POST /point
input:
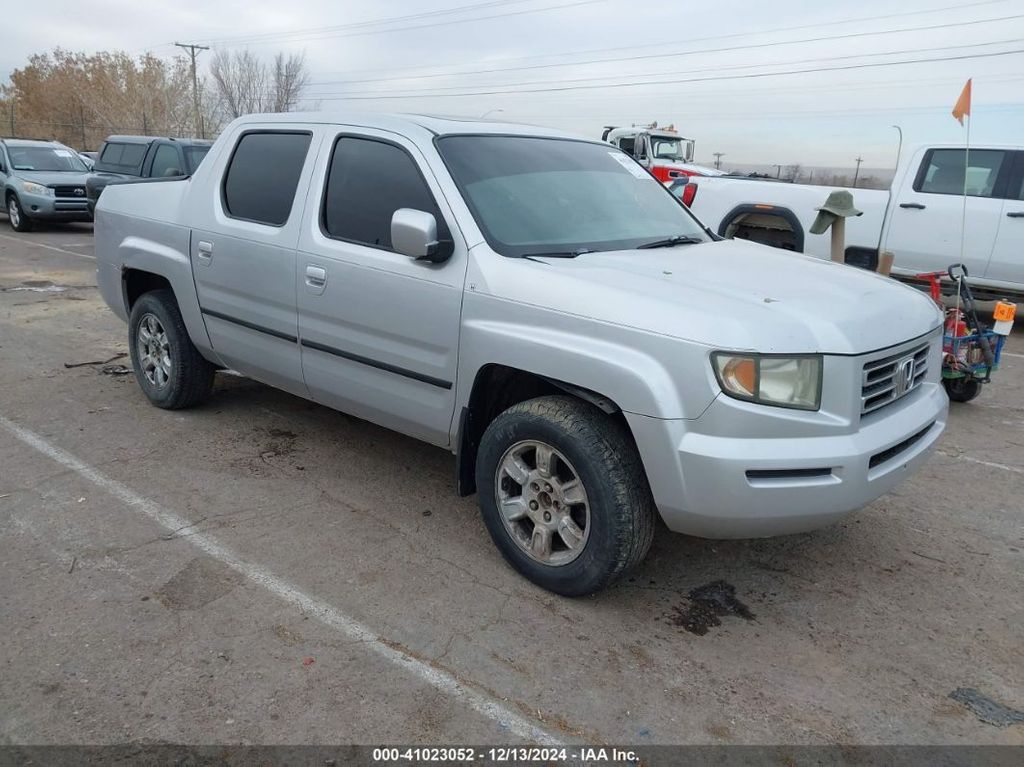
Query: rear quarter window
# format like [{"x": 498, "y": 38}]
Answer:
[{"x": 263, "y": 174}]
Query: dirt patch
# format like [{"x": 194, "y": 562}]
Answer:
[
  {"x": 707, "y": 605},
  {"x": 198, "y": 583},
  {"x": 286, "y": 635}
]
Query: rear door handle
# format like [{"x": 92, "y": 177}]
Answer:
[
  {"x": 204, "y": 251},
  {"x": 1016, "y": 214},
  {"x": 316, "y": 278},
  {"x": 912, "y": 205}
]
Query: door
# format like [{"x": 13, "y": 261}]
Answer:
[
  {"x": 1007, "y": 263},
  {"x": 927, "y": 213},
  {"x": 379, "y": 331},
  {"x": 243, "y": 253}
]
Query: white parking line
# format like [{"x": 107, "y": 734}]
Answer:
[
  {"x": 26, "y": 241},
  {"x": 1013, "y": 354},
  {"x": 990, "y": 464},
  {"x": 309, "y": 605}
]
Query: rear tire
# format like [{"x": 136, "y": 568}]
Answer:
[
  {"x": 962, "y": 389},
  {"x": 19, "y": 221},
  {"x": 589, "y": 517},
  {"x": 170, "y": 370}
]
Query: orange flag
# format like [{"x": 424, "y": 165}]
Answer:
[{"x": 963, "y": 104}]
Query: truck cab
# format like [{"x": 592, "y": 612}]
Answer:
[{"x": 666, "y": 154}]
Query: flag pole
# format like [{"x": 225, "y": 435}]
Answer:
[{"x": 963, "y": 210}]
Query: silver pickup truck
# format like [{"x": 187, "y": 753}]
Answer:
[{"x": 542, "y": 307}]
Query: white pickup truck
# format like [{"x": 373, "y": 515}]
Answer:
[{"x": 918, "y": 219}]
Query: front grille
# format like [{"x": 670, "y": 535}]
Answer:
[
  {"x": 74, "y": 192},
  {"x": 886, "y": 380}
]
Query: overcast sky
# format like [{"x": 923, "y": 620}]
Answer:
[{"x": 582, "y": 64}]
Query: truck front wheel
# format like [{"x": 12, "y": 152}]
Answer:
[
  {"x": 564, "y": 495},
  {"x": 170, "y": 370}
]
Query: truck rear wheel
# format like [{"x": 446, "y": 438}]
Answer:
[
  {"x": 170, "y": 370},
  {"x": 564, "y": 494},
  {"x": 19, "y": 221}
]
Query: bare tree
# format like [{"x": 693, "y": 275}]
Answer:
[
  {"x": 793, "y": 172},
  {"x": 245, "y": 84},
  {"x": 290, "y": 80}
]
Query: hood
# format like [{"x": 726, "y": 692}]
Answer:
[
  {"x": 53, "y": 178},
  {"x": 729, "y": 294},
  {"x": 689, "y": 168}
]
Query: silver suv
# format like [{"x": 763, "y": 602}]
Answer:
[{"x": 42, "y": 181}]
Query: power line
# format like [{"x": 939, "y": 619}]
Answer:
[
  {"x": 371, "y": 22},
  {"x": 718, "y": 68},
  {"x": 476, "y": 71},
  {"x": 640, "y": 83},
  {"x": 356, "y": 33}
]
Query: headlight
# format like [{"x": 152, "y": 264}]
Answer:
[
  {"x": 768, "y": 379},
  {"x": 33, "y": 188}
]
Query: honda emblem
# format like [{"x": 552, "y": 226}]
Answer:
[{"x": 904, "y": 377}]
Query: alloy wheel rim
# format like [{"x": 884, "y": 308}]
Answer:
[
  {"x": 13, "y": 212},
  {"x": 543, "y": 503},
  {"x": 154, "y": 351}
]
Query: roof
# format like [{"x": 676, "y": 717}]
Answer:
[
  {"x": 408, "y": 123},
  {"x": 29, "y": 142},
  {"x": 150, "y": 139}
]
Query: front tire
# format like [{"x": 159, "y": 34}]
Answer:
[
  {"x": 962, "y": 389},
  {"x": 170, "y": 370},
  {"x": 19, "y": 221},
  {"x": 564, "y": 494}
]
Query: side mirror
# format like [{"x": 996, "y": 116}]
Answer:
[
  {"x": 171, "y": 172},
  {"x": 414, "y": 234}
]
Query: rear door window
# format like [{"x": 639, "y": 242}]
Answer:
[
  {"x": 367, "y": 182},
  {"x": 264, "y": 171},
  {"x": 166, "y": 162}
]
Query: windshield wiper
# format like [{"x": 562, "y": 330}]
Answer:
[
  {"x": 671, "y": 242},
  {"x": 557, "y": 254}
]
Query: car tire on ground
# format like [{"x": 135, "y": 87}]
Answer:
[
  {"x": 19, "y": 221},
  {"x": 564, "y": 495},
  {"x": 170, "y": 370},
  {"x": 962, "y": 389}
]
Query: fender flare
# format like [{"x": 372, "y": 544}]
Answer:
[{"x": 785, "y": 214}]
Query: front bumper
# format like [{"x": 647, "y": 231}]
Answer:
[
  {"x": 45, "y": 208},
  {"x": 735, "y": 486}
]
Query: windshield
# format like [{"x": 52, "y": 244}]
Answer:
[
  {"x": 194, "y": 155},
  {"x": 45, "y": 158},
  {"x": 668, "y": 148},
  {"x": 536, "y": 195}
]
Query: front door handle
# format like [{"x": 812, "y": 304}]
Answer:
[
  {"x": 316, "y": 278},
  {"x": 1015, "y": 214},
  {"x": 204, "y": 252},
  {"x": 912, "y": 205}
]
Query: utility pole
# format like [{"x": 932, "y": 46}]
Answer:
[
  {"x": 193, "y": 51},
  {"x": 81, "y": 119},
  {"x": 856, "y": 173},
  {"x": 718, "y": 160},
  {"x": 778, "y": 171},
  {"x": 13, "y": 134}
]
